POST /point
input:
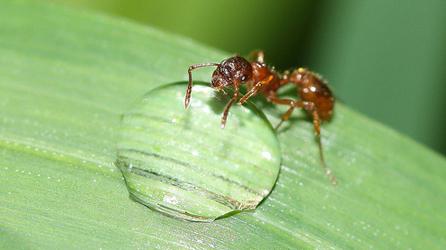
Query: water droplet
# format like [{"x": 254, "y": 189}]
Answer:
[{"x": 191, "y": 168}]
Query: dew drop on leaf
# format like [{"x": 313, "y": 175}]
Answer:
[{"x": 181, "y": 163}]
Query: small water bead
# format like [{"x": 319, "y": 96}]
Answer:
[{"x": 180, "y": 162}]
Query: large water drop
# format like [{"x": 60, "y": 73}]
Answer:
[{"x": 180, "y": 162}]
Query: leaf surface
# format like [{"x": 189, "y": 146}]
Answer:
[{"x": 67, "y": 76}]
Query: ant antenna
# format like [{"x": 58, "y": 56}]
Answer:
[{"x": 189, "y": 86}]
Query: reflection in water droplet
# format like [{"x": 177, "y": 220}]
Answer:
[
  {"x": 267, "y": 155},
  {"x": 170, "y": 199},
  {"x": 181, "y": 163}
]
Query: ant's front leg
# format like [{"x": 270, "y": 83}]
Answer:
[
  {"x": 250, "y": 93},
  {"x": 253, "y": 91},
  {"x": 229, "y": 104}
]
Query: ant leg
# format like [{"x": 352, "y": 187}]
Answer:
[
  {"x": 257, "y": 55},
  {"x": 291, "y": 103},
  {"x": 317, "y": 130},
  {"x": 272, "y": 97},
  {"x": 284, "y": 117},
  {"x": 228, "y": 106},
  {"x": 189, "y": 86},
  {"x": 250, "y": 93},
  {"x": 254, "y": 90},
  {"x": 308, "y": 106}
]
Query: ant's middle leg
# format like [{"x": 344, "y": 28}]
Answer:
[
  {"x": 285, "y": 117},
  {"x": 293, "y": 104}
]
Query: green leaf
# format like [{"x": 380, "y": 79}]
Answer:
[{"x": 66, "y": 77}]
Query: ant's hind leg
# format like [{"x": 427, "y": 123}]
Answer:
[{"x": 317, "y": 130}]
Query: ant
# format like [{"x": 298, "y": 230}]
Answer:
[{"x": 315, "y": 96}]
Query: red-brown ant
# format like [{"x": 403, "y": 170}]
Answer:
[{"x": 315, "y": 96}]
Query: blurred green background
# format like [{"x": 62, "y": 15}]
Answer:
[{"x": 383, "y": 58}]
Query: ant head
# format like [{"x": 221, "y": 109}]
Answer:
[{"x": 232, "y": 70}]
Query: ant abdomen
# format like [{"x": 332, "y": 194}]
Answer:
[{"x": 312, "y": 88}]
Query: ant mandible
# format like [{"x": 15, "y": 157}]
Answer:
[{"x": 315, "y": 96}]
